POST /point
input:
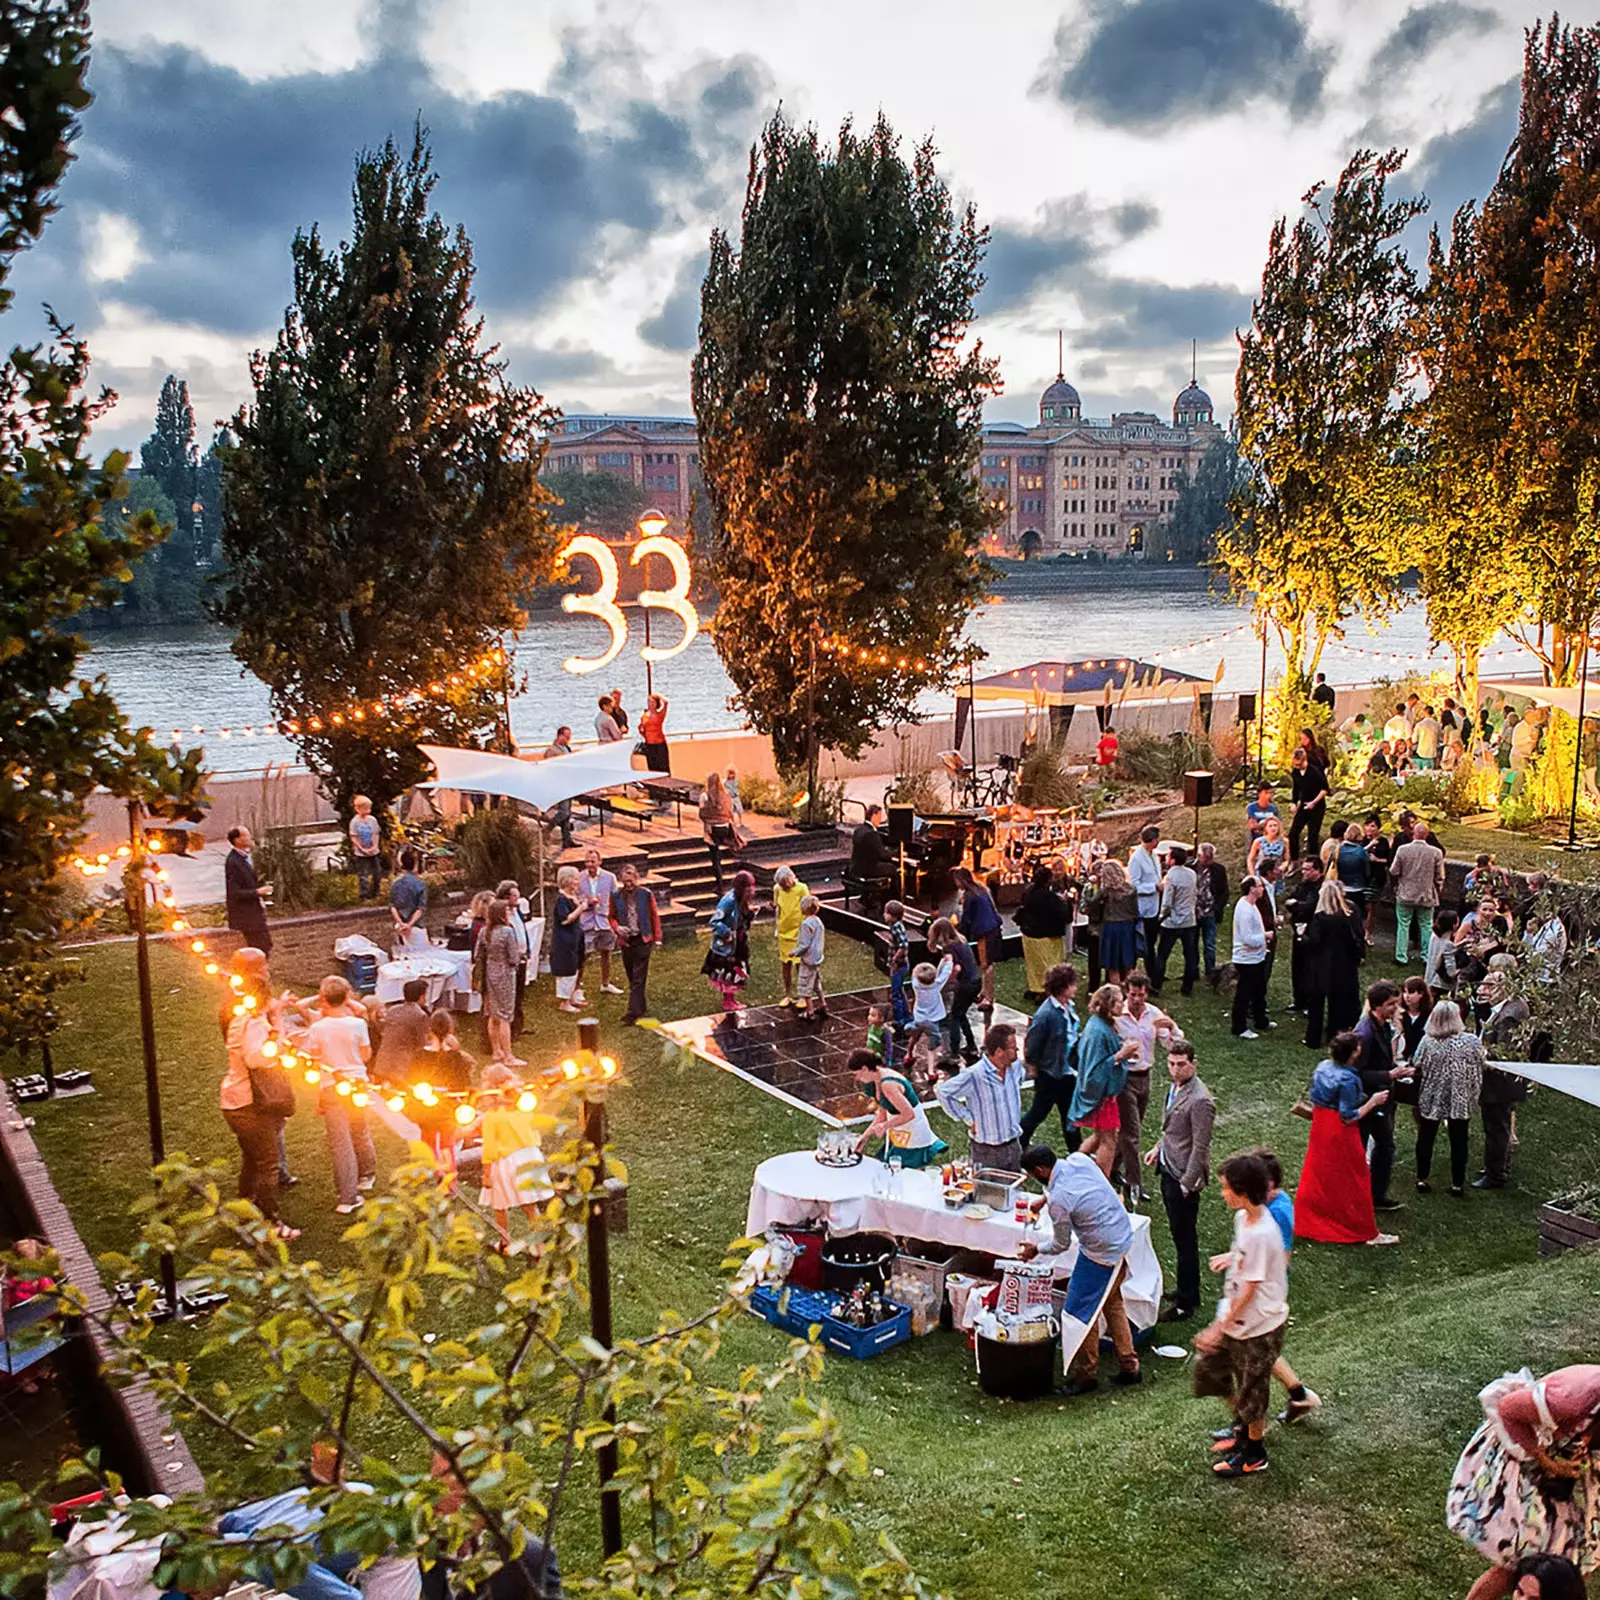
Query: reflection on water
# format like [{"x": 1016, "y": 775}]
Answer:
[{"x": 179, "y": 677}]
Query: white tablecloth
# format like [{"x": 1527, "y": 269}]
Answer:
[
  {"x": 442, "y": 970},
  {"x": 797, "y": 1188}
]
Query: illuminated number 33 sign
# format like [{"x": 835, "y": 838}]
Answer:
[{"x": 603, "y": 602}]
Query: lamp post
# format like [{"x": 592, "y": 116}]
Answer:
[
  {"x": 651, "y": 525},
  {"x": 147, "y": 1028},
  {"x": 1261, "y": 712},
  {"x": 1577, "y": 752},
  {"x": 812, "y": 634},
  {"x": 599, "y": 1238}
]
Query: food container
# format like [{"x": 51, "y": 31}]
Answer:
[
  {"x": 836, "y": 1147},
  {"x": 995, "y": 1188}
]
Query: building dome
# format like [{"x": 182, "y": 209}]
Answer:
[
  {"x": 1192, "y": 406},
  {"x": 1060, "y": 402}
]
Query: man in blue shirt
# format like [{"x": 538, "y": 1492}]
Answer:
[
  {"x": 1257, "y": 812},
  {"x": 1144, "y": 876},
  {"x": 408, "y": 899},
  {"x": 1083, "y": 1205},
  {"x": 1051, "y": 1053},
  {"x": 987, "y": 1097}
]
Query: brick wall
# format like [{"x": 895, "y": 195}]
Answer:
[{"x": 138, "y": 1434}]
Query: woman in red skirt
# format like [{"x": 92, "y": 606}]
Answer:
[{"x": 1333, "y": 1203}]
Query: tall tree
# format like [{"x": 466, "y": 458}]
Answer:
[
  {"x": 1511, "y": 346},
  {"x": 1204, "y": 507},
  {"x": 383, "y": 513},
  {"x": 208, "y": 492},
  {"x": 839, "y": 406},
  {"x": 167, "y": 578},
  {"x": 1321, "y": 428},
  {"x": 168, "y": 455},
  {"x": 61, "y": 734}
]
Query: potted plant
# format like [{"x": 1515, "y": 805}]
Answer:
[{"x": 1570, "y": 1221}]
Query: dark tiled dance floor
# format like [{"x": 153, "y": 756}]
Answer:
[{"x": 801, "y": 1063}]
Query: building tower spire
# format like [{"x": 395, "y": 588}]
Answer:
[
  {"x": 1061, "y": 355},
  {"x": 1194, "y": 361}
]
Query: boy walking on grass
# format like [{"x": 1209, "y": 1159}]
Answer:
[
  {"x": 807, "y": 952},
  {"x": 1238, "y": 1350}
]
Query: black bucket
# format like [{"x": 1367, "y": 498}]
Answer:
[
  {"x": 1012, "y": 1371},
  {"x": 857, "y": 1258}
]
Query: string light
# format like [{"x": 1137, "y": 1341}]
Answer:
[{"x": 486, "y": 668}]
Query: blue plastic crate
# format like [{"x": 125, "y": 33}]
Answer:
[
  {"x": 797, "y": 1311},
  {"x": 361, "y": 973}
]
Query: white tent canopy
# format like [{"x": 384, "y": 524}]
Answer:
[
  {"x": 540, "y": 784},
  {"x": 1542, "y": 695},
  {"x": 1581, "y": 1082}
]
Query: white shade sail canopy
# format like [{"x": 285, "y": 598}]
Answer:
[
  {"x": 541, "y": 784},
  {"x": 1543, "y": 695},
  {"x": 1581, "y": 1082}
]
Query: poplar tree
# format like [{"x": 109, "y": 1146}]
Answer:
[
  {"x": 1321, "y": 426},
  {"x": 839, "y": 405},
  {"x": 1512, "y": 354},
  {"x": 61, "y": 734},
  {"x": 167, "y": 580},
  {"x": 383, "y": 515}
]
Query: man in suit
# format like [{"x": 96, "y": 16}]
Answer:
[
  {"x": 1050, "y": 1053},
  {"x": 1502, "y": 1092},
  {"x": 1182, "y": 1155},
  {"x": 247, "y": 915}
]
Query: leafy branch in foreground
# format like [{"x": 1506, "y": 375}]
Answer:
[{"x": 454, "y": 1382}]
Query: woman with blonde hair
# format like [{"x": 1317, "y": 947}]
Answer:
[
  {"x": 1117, "y": 904},
  {"x": 1335, "y": 946},
  {"x": 566, "y": 941},
  {"x": 787, "y": 893},
  {"x": 1449, "y": 1063}
]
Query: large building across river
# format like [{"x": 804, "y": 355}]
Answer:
[{"x": 1069, "y": 485}]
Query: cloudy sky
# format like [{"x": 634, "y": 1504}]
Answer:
[{"x": 1129, "y": 156}]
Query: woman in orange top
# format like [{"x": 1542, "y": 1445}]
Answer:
[{"x": 653, "y": 733}]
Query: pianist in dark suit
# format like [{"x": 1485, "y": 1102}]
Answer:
[
  {"x": 871, "y": 860},
  {"x": 246, "y": 891}
]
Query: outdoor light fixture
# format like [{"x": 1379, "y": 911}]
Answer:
[{"x": 464, "y": 1114}]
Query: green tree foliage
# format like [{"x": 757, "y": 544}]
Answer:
[
  {"x": 171, "y": 585},
  {"x": 383, "y": 514},
  {"x": 1203, "y": 511},
  {"x": 597, "y": 502},
  {"x": 168, "y": 455},
  {"x": 1321, "y": 372},
  {"x": 145, "y": 498},
  {"x": 839, "y": 406},
  {"x": 61, "y": 734},
  {"x": 427, "y": 1345},
  {"x": 1511, "y": 346},
  {"x": 208, "y": 491}
]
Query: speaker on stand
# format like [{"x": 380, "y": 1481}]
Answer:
[{"x": 1198, "y": 790}]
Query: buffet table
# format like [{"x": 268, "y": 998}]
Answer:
[
  {"x": 447, "y": 972},
  {"x": 868, "y": 1198}
]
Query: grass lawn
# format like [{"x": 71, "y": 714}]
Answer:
[{"x": 1105, "y": 1496}]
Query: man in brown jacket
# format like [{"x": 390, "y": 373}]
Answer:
[
  {"x": 1183, "y": 1157},
  {"x": 1418, "y": 873}
]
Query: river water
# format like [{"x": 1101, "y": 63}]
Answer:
[{"x": 180, "y": 678}]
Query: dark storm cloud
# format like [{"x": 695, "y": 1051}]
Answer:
[
  {"x": 1136, "y": 314},
  {"x": 1070, "y": 235},
  {"x": 218, "y": 171},
  {"x": 1147, "y": 64},
  {"x": 1419, "y": 33},
  {"x": 676, "y": 326}
]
